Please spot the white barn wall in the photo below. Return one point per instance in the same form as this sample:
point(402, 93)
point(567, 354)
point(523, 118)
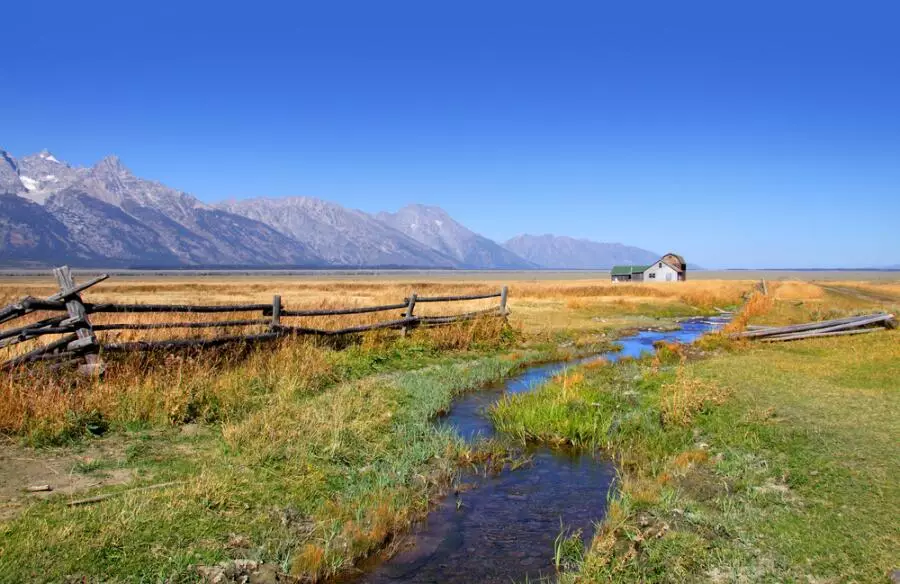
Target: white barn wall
point(666, 273)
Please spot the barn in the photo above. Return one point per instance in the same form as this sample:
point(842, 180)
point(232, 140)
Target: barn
point(669, 268)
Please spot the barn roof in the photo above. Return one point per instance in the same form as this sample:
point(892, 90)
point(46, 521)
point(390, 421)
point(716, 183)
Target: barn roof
point(678, 257)
point(627, 270)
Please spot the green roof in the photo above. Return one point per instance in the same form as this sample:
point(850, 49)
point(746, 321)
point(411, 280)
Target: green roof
point(627, 270)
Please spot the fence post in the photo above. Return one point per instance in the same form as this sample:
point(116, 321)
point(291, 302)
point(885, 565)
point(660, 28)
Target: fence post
point(276, 312)
point(410, 307)
point(503, 294)
point(78, 315)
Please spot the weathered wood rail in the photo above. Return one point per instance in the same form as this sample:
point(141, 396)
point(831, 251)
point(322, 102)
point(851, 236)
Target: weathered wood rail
point(80, 346)
point(853, 325)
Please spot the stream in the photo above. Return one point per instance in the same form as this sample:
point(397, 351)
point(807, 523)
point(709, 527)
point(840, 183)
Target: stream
point(504, 528)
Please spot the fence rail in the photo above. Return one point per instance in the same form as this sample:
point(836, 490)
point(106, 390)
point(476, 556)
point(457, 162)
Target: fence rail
point(852, 325)
point(80, 346)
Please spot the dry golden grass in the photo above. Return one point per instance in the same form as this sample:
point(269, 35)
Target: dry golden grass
point(757, 305)
point(891, 289)
point(686, 395)
point(181, 386)
point(212, 385)
point(537, 306)
point(796, 291)
point(295, 296)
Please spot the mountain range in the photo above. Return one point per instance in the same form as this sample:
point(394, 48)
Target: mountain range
point(53, 213)
point(555, 251)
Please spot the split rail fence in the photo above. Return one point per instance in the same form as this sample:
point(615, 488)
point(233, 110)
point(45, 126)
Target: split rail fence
point(79, 345)
point(853, 325)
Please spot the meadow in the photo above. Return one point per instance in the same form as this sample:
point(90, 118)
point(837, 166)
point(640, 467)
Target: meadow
point(309, 456)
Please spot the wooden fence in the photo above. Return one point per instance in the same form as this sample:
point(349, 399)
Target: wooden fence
point(852, 325)
point(79, 345)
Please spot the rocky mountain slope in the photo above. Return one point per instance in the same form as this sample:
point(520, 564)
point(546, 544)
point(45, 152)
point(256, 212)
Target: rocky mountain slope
point(111, 217)
point(31, 234)
point(561, 252)
point(105, 215)
point(432, 226)
point(338, 235)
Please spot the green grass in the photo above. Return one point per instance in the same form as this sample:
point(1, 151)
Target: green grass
point(771, 463)
point(755, 463)
point(312, 474)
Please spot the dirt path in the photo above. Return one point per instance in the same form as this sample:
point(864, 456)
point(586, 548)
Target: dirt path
point(62, 470)
point(867, 295)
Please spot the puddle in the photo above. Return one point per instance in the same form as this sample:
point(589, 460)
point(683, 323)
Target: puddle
point(503, 529)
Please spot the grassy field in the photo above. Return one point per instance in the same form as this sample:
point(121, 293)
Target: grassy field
point(740, 462)
point(309, 456)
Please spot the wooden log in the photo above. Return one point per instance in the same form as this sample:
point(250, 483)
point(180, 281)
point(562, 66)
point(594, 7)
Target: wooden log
point(95, 308)
point(35, 333)
point(12, 311)
point(71, 322)
point(81, 344)
point(410, 312)
point(447, 319)
point(276, 311)
point(338, 311)
point(438, 323)
point(13, 332)
point(16, 309)
point(458, 298)
point(814, 334)
point(280, 332)
point(399, 323)
point(35, 354)
point(169, 325)
point(798, 327)
point(504, 293)
point(62, 295)
point(266, 309)
point(857, 324)
point(874, 319)
point(466, 315)
point(33, 304)
point(30, 304)
point(302, 330)
point(76, 310)
point(403, 322)
point(443, 320)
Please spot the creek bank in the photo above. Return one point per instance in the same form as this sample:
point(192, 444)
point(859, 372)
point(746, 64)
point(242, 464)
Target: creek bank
point(502, 527)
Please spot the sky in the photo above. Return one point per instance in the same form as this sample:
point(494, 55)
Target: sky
point(739, 134)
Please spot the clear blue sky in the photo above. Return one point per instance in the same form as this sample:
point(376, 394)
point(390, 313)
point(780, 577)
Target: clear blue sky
point(740, 134)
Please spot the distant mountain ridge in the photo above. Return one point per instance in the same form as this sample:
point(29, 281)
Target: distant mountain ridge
point(433, 227)
point(104, 215)
point(338, 235)
point(107, 216)
point(562, 252)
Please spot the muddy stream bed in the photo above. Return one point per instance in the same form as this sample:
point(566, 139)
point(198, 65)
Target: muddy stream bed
point(503, 529)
